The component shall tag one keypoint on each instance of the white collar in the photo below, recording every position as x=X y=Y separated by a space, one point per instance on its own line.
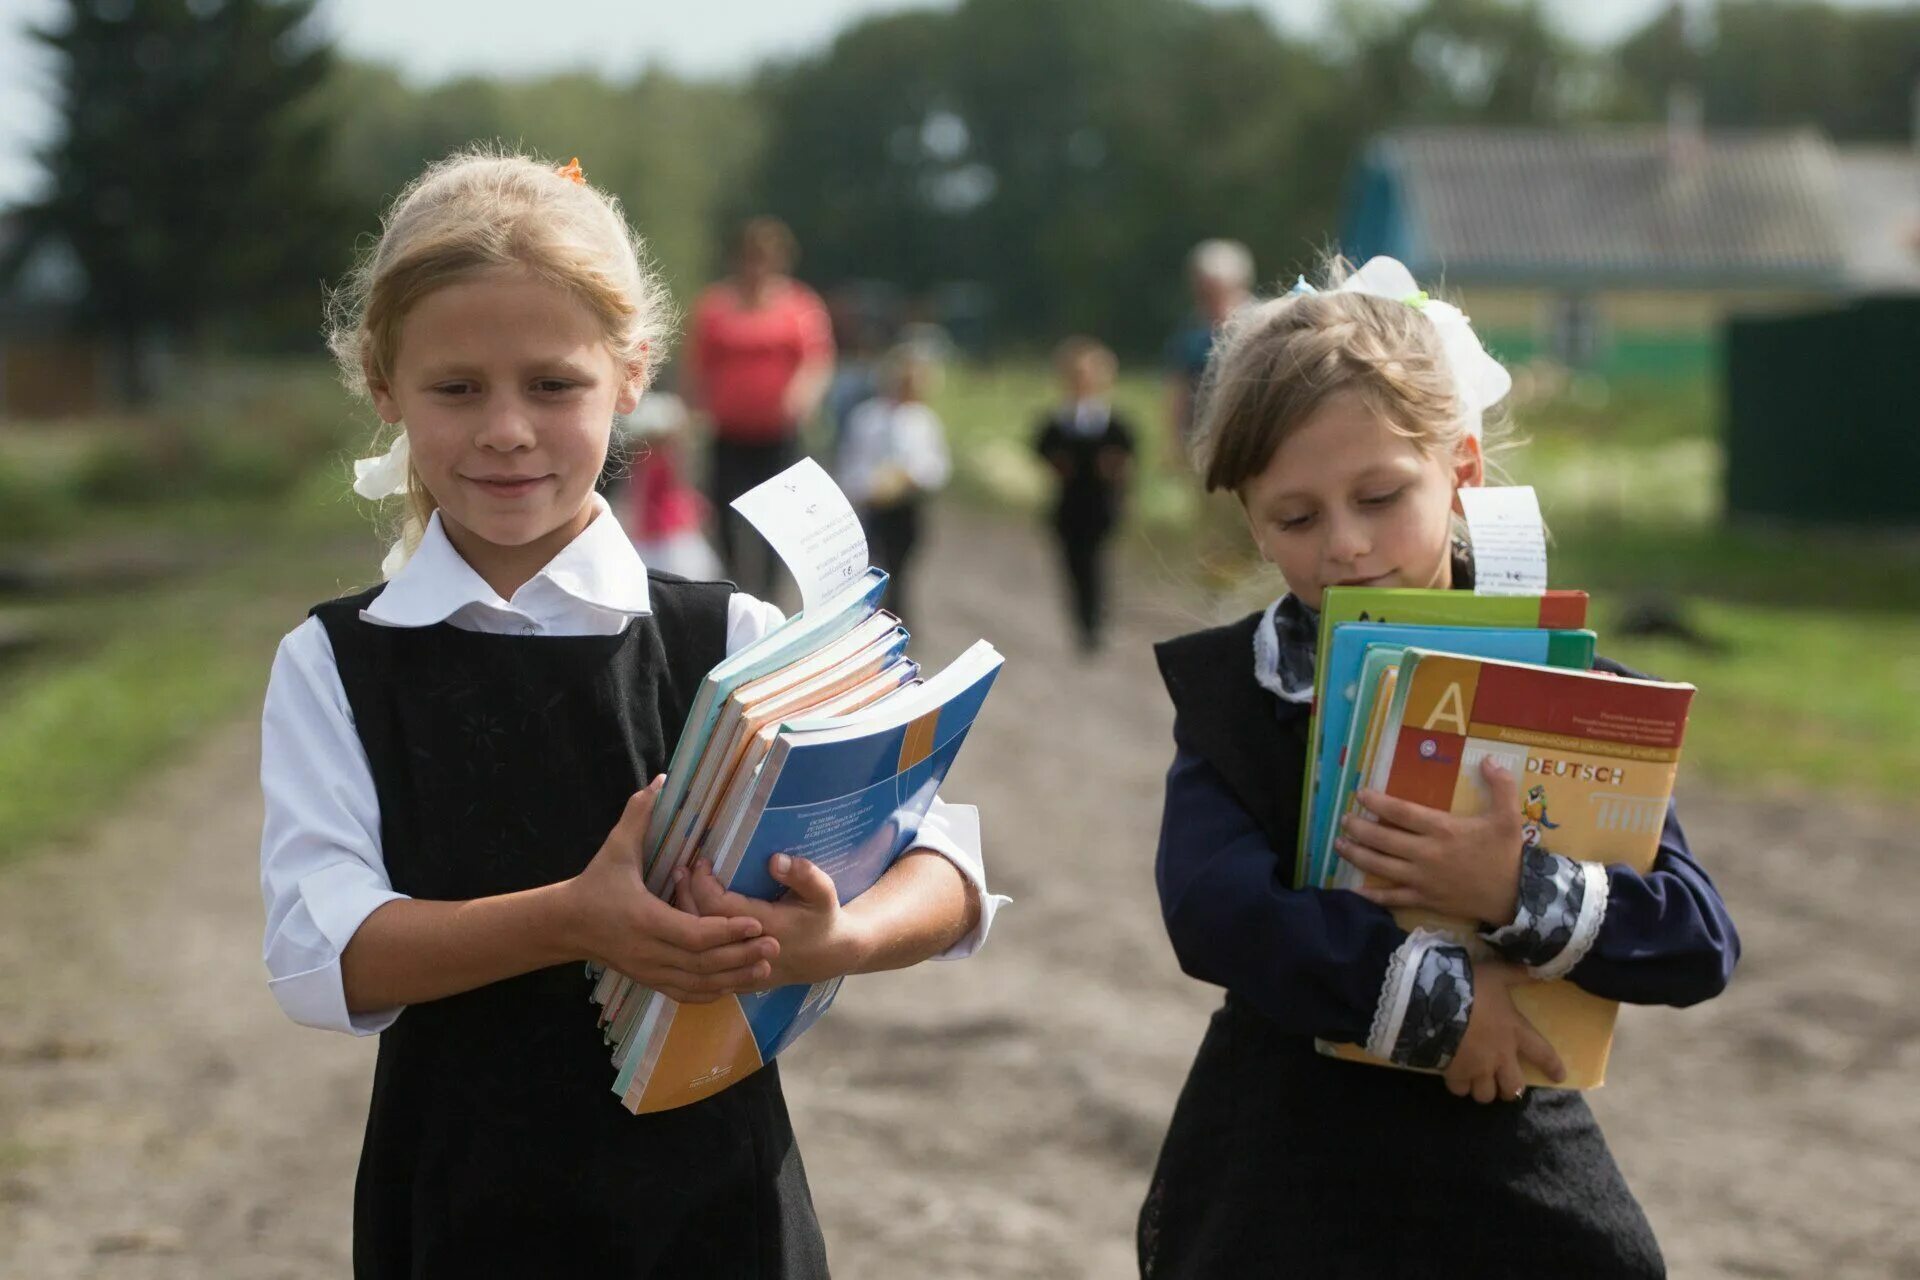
x=599 y=567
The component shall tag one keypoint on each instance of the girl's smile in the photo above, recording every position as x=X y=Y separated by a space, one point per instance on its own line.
x=507 y=486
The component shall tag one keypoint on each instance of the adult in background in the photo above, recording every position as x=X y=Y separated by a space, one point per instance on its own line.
x=760 y=356
x=1220 y=274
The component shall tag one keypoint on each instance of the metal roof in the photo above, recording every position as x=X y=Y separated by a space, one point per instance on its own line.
x=1620 y=206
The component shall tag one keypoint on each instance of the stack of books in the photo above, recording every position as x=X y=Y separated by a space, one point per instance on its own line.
x=823 y=741
x=1416 y=688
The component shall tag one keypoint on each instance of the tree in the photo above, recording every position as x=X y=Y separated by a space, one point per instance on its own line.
x=1063 y=153
x=189 y=171
x=672 y=149
x=1852 y=73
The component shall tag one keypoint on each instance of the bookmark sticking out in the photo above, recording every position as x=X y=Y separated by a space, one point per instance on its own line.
x=811 y=527
x=1509 y=540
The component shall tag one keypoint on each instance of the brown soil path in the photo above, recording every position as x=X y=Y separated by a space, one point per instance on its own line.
x=159 y=1118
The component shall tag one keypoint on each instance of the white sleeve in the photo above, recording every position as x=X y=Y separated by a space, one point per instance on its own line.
x=925 y=446
x=321 y=871
x=748 y=619
x=952 y=831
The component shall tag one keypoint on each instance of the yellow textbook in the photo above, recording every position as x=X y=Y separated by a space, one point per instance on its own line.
x=1595 y=756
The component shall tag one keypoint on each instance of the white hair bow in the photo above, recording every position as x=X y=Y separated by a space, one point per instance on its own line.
x=384 y=476
x=1480 y=380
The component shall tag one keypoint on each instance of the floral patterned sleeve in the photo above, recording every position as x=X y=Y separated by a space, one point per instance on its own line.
x=1424 y=1002
x=1561 y=906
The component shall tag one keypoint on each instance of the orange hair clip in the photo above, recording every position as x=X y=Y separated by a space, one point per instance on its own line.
x=572 y=171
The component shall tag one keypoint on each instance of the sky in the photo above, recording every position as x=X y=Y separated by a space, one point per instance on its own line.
x=436 y=39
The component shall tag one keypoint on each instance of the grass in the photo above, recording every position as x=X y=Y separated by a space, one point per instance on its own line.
x=1807 y=680
x=132 y=679
x=244 y=479
x=1799 y=699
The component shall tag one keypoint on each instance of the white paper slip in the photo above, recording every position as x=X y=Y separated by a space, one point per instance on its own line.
x=811 y=526
x=1509 y=540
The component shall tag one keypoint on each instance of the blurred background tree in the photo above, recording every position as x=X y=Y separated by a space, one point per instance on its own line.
x=1055 y=157
x=189 y=175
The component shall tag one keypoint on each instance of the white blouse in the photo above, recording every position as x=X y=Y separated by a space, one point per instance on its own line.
x=884 y=434
x=321 y=871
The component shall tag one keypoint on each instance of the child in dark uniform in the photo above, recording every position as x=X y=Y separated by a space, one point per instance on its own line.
x=1345 y=422
x=1090 y=450
x=455 y=767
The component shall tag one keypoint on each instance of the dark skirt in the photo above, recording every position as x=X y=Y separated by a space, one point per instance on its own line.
x=1349 y=1170
x=490 y=1172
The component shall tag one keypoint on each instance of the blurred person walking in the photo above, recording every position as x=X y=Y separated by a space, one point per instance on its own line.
x=892 y=458
x=1220 y=276
x=1090 y=450
x=759 y=359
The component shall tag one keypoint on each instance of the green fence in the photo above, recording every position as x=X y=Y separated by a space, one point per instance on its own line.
x=1823 y=414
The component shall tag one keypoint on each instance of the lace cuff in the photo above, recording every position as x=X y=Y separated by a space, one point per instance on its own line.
x=1424 y=1003
x=1561 y=906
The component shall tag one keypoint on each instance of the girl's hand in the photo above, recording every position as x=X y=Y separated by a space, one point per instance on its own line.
x=818 y=940
x=615 y=921
x=1497 y=1039
x=1434 y=860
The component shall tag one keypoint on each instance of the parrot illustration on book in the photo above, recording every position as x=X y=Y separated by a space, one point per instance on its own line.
x=1534 y=811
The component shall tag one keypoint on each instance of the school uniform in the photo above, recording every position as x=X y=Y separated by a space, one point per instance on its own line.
x=1080 y=441
x=1276 y=1152
x=428 y=739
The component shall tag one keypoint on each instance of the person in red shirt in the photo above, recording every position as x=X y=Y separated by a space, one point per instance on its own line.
x=759 y=358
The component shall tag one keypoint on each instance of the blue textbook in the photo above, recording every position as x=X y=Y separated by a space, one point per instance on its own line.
x=847 y=791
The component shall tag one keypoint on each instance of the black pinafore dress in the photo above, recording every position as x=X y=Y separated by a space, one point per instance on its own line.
x=495 y=1145
x=1281 y=1161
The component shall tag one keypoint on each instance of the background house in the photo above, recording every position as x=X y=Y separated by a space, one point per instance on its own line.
x=1624 y=249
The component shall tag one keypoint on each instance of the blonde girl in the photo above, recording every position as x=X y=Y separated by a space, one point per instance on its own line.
x=456 y=764
x=1346 y=421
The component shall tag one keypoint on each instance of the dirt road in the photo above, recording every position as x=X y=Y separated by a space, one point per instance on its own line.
x=159 y=1118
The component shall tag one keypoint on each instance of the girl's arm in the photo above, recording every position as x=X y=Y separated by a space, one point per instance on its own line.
x=1326 y=962
x=922 y=906
x=1310 y=960
x=411 y=950
x=346 y=952
x=1660 y=938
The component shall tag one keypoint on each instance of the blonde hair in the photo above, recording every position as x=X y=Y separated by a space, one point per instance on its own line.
x=1277 y=362
x=483 y=209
